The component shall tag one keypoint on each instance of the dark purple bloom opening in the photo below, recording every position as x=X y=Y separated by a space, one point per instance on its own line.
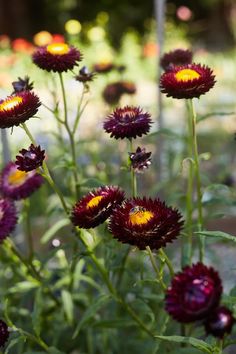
x=140 y=159
x=17 y=184
x=18 y=108
x=85 y=75
x=30 y=159
x=145 y=222
x=4 y=333
x=8 y=218
x=22 y=85
x=187 y=81
x=57 y=57
x=128 y=122
x=194 y=293
x=176 y=57
x=220 y=322
x=95 y=207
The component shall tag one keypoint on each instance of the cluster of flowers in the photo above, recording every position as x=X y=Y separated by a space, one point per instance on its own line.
x=194 y=294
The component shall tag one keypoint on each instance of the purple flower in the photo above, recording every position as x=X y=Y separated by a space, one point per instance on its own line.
x=8 y=221
x=30 y=159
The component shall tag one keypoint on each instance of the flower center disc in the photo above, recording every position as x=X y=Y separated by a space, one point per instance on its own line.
x=58 y=48
x=94 y=201
x=10 y=103
x=140 y=216
x=186 y=75
x=17 y=178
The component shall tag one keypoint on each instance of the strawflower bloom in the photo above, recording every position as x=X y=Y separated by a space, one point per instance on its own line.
x=128 y=122
x=85 y=75
x=17 y=184
x=57 y=57
x=220 y=322
x=30 y=159
x=103 y=67
x=194 y=293
x=4 y=333
x=112 y=93
x=22 y=85
x=187 y=81
x=145 y=222
x=176 y=57
x=18 y=108
x=140 y=159
x=8 y=220
x=95 y=207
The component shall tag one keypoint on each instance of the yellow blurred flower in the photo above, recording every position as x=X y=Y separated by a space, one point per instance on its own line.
x=96 y=33
x=42 y=38
x=73 y=27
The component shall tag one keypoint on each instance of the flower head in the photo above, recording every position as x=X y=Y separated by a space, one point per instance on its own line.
x=4 y=333
x=220 y=322
x=140 y=159
x=194 y=293
x=22 y=85
x=95 y=207
x=30 y=159
x=128 y=122
x=145 y=222
x=85 y=75
x=17 y=184
x=18 y=108
x=103 y=67
x=176 y=57
x=57 y=57
x=8 y=221
x=187 y=81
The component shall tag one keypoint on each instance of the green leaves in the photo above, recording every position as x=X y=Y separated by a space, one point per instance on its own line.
x=68 y=305
x=196 y=343
x=217 y=234
x=48 y=235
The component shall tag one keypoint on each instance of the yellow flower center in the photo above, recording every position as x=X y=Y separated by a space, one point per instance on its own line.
x=140 y=216
x=186 y=75
x=17 y=177
x=58 y=48
x=94 y=201
x=10 y=103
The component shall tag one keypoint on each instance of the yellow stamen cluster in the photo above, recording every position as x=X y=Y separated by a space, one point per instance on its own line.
x=17 y=178
x=58 y=48
x=10 y=103
x=140 y=216
x=187 y=75
x=94 y=201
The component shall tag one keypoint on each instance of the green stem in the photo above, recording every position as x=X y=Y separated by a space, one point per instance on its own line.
x=79 y=111
x=198 y=180
x=167 y=261
x=159 y=275
x=133 y=175
x=46 y=173
x=71 y=137
x=28 y=231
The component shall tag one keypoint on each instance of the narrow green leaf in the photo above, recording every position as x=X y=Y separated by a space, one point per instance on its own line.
x=23 y=286
x=218 y=234
x=37 y=312
x=196 y=343
x=54 y=229
x=13 y=342
x=68 y=305
x=91 y=311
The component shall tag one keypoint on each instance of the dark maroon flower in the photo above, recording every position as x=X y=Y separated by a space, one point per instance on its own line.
x=140 y=159
x=194 y=293
x=103 y=67
x=220 y=322
x=145 y=222
x=22 y=85
x=18 y=108
x=57 y=57
x=85 y=75
x=30 y=159
x=4 y=333
x=17 y=184
x=95 y=207
x=187 y=81
x=8 y=220
x=112 y=93
x=176 y=57
x=128 y=122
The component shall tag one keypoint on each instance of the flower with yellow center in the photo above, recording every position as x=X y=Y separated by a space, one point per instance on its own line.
x=58 y=48
x=187 y=81
x=94 y=201
x=187 y=75
x=140 y=216
x=10 y=103
x=16 y=178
